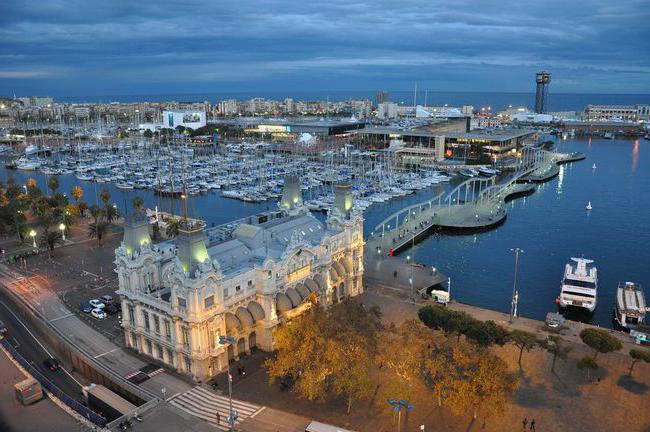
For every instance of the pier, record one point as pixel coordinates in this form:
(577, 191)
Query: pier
(476, 204)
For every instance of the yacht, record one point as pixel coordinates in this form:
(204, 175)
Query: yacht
(470, 172)
(630, 307)
(123, 185)
(487, 172)
(608, 135)
(579, 285)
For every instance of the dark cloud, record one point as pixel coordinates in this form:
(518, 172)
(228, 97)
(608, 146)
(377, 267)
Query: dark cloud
(87, 48)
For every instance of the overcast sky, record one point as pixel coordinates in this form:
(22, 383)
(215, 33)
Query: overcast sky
(90, 47)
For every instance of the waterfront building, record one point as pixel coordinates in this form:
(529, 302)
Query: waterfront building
(604, 113)
(485, 122)
(189, 119)
(381, 97)
(387, 111)
(241, 279)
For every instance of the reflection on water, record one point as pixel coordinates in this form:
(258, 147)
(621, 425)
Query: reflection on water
(560, 180)
(635, 155)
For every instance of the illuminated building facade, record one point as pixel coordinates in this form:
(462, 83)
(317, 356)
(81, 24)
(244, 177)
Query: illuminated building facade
(241, 279)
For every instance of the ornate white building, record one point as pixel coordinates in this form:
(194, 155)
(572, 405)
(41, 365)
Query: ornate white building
(241, 279)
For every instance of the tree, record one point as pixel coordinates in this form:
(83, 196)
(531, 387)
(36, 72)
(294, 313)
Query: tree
(51, 239)
(77, 193)
(487, 333)
(31, 183)
(53, 184)
(110, 213)
(587, 363)
(95, 212)
(173, 226)
(105, 196)
(97, 230)
(637, 354)
(556, 346)
(137, 203)
(82, 207)
(353, 381)
(600, 341)
(522, 340)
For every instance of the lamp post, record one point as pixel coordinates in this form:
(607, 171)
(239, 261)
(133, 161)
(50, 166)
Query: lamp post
(62, 228)
(32, 234)
(515, 292)
(226, 341)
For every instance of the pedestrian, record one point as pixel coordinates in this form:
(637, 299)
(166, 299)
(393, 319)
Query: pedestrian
(532, 425)
(243, 371)
(525, 422)
(218, 418)
(239, 370)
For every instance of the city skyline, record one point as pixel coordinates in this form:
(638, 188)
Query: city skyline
(67, 48)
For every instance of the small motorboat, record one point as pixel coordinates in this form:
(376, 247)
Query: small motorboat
(593, 166)
(588, 208)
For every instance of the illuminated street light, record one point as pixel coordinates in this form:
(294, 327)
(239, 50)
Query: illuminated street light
(62, 228)
(32, 234)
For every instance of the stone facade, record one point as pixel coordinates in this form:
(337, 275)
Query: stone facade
(241, 280)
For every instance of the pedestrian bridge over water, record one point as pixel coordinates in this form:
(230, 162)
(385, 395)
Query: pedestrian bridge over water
(475, 204)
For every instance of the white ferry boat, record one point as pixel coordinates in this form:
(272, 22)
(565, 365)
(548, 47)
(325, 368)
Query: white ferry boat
(630, 307)
(579, 285)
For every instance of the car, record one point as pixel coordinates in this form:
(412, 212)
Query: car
(106, 299)
(86, 307)
(111, 309)
(52, 364)
(97, 304)
(98, 313)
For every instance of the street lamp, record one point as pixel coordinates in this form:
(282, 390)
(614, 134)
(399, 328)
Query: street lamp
(32, 234)
(229, 340)
(515, 292)
(62, 228)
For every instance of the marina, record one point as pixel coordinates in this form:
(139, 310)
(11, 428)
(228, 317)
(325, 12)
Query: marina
(542, 224)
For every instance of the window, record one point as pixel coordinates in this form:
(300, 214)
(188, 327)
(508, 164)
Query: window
(238, 288)
(225, 293)
(170, 357)
(208, 302)
(186, 338)
(156, 324)
(159, 351)
(145, 318)
(131, 315)
(250, 283)
(149, 347)
(181, 302)
(168, 329)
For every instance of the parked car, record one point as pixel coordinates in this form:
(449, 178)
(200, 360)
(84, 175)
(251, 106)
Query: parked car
(106, 299)
(52, 364)
(97, 304)
(86, 307)
(111, 309)
(98, 313)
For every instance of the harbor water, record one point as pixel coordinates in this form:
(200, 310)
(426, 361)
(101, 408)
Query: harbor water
(551, 226)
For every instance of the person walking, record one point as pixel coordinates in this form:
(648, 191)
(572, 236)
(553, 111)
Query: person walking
(532, 425)
(525, 422)
(218, 419)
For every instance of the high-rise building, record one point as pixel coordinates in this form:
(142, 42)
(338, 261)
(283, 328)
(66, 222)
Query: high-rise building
(543, 80)
(381, 97)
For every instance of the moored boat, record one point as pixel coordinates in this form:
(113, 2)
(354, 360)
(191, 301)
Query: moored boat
(579, 287)
(630, 307)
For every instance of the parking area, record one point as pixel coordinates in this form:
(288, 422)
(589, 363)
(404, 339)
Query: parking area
(77, 300)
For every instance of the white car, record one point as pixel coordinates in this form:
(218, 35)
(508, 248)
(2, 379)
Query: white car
(97, 304)
(98, 313)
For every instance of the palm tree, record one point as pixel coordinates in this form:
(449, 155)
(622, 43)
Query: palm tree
(95, 212)
(137, 203)
(173, 226)
(53, 184)
(97, 230)
(110, 213)
(105, 196)
(51, 239)
(77, 192)
(82, 207)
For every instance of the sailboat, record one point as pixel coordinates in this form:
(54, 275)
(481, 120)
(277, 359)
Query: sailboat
(588, 208)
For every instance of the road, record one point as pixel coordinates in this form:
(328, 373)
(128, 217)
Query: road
(35, 352)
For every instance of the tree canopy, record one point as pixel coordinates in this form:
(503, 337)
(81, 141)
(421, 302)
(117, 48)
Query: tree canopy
(600, 341)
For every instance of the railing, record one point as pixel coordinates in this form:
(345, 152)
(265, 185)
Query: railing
(49, 386)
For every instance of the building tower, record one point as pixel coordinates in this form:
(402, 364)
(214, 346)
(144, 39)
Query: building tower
(381, 96)
(543, 80)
